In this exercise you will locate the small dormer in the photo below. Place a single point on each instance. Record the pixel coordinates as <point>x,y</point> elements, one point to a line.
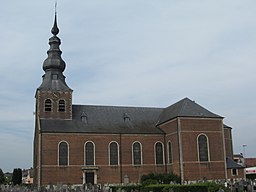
<point>127,120</point>
<point>84,118</point>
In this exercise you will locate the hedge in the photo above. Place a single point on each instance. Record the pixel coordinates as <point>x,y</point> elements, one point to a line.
<point>198,187</point>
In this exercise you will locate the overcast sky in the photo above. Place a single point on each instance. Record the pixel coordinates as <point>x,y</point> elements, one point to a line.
<point>130,53</point>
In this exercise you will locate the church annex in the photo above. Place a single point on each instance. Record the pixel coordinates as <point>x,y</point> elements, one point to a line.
<point>81,144</point>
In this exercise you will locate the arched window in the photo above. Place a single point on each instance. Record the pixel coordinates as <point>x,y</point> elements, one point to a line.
<point>63,153</point>
<point>113,153</point>
<point>170,152</point>
<point>62,106</point>
<point>89,153</point>
<point>159,153</point>
<point>202,143</point>
<point>48,105</point>
<point>136,153</point>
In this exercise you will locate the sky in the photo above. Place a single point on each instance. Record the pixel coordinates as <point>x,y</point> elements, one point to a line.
<point>130,53</point>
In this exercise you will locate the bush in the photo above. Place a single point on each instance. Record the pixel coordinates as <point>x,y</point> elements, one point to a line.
<point>126,188</point>
<point>160,178</point>
<point>197,187</point>
<point>2,177</point>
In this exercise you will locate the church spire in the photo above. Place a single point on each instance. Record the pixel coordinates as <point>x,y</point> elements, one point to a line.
<point>54,60</point>
<point>54,65</point>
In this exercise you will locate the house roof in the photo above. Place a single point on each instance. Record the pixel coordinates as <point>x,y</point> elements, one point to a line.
<point>250,162</point>
<point>226,126</point>
<point>185,108</point>
<point>106,119</point>
<point>231,164</point>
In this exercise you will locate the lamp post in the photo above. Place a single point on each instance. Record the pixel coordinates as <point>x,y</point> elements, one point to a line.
<point>244,146</point>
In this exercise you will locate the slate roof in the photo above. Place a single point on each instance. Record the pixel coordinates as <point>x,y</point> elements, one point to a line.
<point>185,108</point>
<point>226,126</point>
<point>231,164</point>
<point>118,119</point>
<point>107,119</point>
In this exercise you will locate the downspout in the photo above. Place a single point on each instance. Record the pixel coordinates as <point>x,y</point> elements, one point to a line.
<point>180,151</point>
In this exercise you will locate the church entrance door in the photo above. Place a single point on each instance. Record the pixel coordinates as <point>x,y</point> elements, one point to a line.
<point>89,178</point>
<point>90,175</point>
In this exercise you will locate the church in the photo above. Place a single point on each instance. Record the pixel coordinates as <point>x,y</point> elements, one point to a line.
<point>82,144</point>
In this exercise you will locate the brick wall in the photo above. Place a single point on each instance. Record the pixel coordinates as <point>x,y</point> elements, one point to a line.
<point>52,173</point>
<point>191,128</point>
<point>41,96</point>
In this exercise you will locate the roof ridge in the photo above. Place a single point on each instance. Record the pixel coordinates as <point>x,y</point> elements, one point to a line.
<point>117,106</point>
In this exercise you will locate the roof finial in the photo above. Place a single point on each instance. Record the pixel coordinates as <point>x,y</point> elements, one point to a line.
<point>55,8</point>
<point>55,29</point>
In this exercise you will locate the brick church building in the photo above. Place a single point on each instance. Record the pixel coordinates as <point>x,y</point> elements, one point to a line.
<point>81,144</point>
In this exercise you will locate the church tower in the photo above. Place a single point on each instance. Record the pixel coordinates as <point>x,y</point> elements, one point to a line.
<point>53,96</point>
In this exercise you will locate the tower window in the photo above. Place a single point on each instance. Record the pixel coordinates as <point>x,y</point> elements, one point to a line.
<point>62,107</point>
<point>48,105</point>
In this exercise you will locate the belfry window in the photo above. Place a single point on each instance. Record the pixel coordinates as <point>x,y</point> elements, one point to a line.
<point>62,107</point>
<point>89,153</point>
<point>48,105</point>
<point>113,153</point>
<point>159,153</point>
<point>136,153</point>
<point>63,153</point>
<point>202,143</point>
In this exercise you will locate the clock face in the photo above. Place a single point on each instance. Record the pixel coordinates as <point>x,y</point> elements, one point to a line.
<point>55,95</point>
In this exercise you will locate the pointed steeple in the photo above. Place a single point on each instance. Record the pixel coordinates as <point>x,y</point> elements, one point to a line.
<point>54,60</point>
<point>54,65</point>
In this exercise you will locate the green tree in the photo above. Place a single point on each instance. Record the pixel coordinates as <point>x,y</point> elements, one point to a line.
<point>17,176</point>
<point>2,177</point>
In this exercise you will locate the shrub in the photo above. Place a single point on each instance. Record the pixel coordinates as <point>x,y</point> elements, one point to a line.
<point>126,188</point>
<point>160,178</point>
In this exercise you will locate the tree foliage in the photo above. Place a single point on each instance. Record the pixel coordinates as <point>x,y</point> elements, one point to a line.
<point>17,176</point>
<point>2,177</point>
<point>160,178</point>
